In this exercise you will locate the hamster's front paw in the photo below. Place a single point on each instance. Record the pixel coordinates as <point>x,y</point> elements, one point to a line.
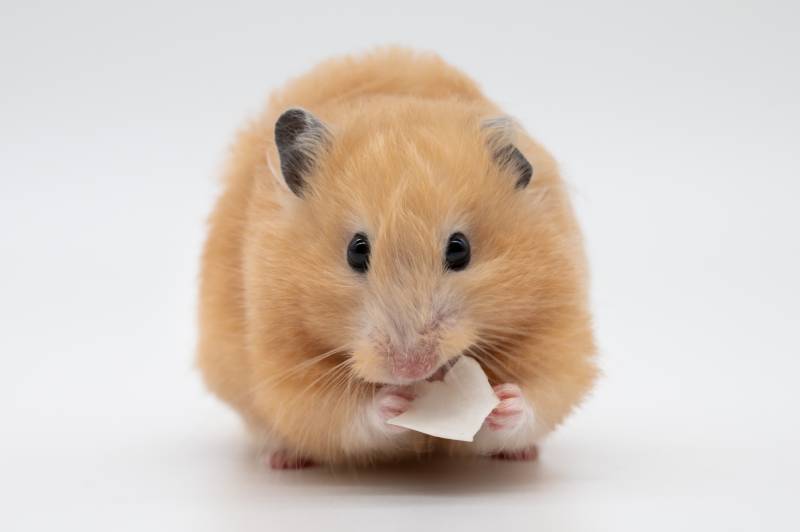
<point>511,412</point>
<point>511,430</point>
<point>390,402</point>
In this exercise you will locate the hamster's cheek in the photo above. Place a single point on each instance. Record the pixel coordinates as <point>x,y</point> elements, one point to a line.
<point>456,339</point>
<point>368,365</point>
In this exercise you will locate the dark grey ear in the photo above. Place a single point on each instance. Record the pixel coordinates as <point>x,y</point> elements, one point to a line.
<point>500,138</point>
<point>300,138</point>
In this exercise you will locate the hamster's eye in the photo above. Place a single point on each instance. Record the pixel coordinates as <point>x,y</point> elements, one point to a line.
<point>358,253</point>
<point>457,254</point>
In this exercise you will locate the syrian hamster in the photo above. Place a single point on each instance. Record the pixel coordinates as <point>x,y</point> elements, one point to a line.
<point>381,218</point>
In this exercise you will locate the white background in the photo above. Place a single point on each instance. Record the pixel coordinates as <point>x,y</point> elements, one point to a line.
<point>677,127</point>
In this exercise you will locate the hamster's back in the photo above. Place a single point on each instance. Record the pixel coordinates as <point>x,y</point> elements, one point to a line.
<point>386,72</point>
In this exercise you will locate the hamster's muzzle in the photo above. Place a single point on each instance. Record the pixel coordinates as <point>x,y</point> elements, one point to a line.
<point>401,360</point>
<point>416,363</point>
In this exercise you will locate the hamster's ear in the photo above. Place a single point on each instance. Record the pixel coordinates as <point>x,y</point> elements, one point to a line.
<point>300,138</point>
<point>500,132</point>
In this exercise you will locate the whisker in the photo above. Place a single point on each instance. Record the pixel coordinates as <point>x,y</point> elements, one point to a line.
<point>283,375</point>
<point>495,364</point>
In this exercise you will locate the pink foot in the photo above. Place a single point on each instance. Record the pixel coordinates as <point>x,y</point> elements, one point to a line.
<point>390,402</point>
<point>509,414</point>
<point>286,460</point>
<point>529,454</point>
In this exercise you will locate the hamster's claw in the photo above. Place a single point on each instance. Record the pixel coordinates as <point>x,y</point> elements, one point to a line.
<point>510,413</point>
<point>283,459</point>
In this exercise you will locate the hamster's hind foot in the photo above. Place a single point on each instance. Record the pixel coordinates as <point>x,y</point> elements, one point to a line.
<point>528,454</point>
<point>283,459</point>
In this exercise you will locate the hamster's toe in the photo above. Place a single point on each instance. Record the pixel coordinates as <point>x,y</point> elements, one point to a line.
<point>528,454</point>
<point>390,402</point>
<point>283,459</point>
<point>510,413</point>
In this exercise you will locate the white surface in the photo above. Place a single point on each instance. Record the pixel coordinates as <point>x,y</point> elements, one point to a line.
<point>453,408</point>
<point>677,126</point>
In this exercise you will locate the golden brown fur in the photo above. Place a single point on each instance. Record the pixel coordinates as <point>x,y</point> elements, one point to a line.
<point>409,162</point>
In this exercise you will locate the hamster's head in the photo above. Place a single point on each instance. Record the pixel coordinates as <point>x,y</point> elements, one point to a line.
<point>407,236</point>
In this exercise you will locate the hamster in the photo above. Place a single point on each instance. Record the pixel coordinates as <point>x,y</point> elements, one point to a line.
<point>381,218</point>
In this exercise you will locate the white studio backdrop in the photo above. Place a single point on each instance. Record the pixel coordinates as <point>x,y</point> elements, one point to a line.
<point>676,126</point>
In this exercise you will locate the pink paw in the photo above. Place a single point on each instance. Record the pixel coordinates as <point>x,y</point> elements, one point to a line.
<point>510,413</point>
<point>284,459</point>
<point>390,402</point>
<point>529,454</point>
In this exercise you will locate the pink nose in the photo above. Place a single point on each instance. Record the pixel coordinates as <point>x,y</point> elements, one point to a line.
<point>414,365</point>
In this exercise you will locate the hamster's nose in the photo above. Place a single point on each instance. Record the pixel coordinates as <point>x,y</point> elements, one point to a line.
<point>414,364</point>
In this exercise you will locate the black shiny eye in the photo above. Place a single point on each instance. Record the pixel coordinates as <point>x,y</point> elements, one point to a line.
<point>457,254</point>
<point>358,253</point>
